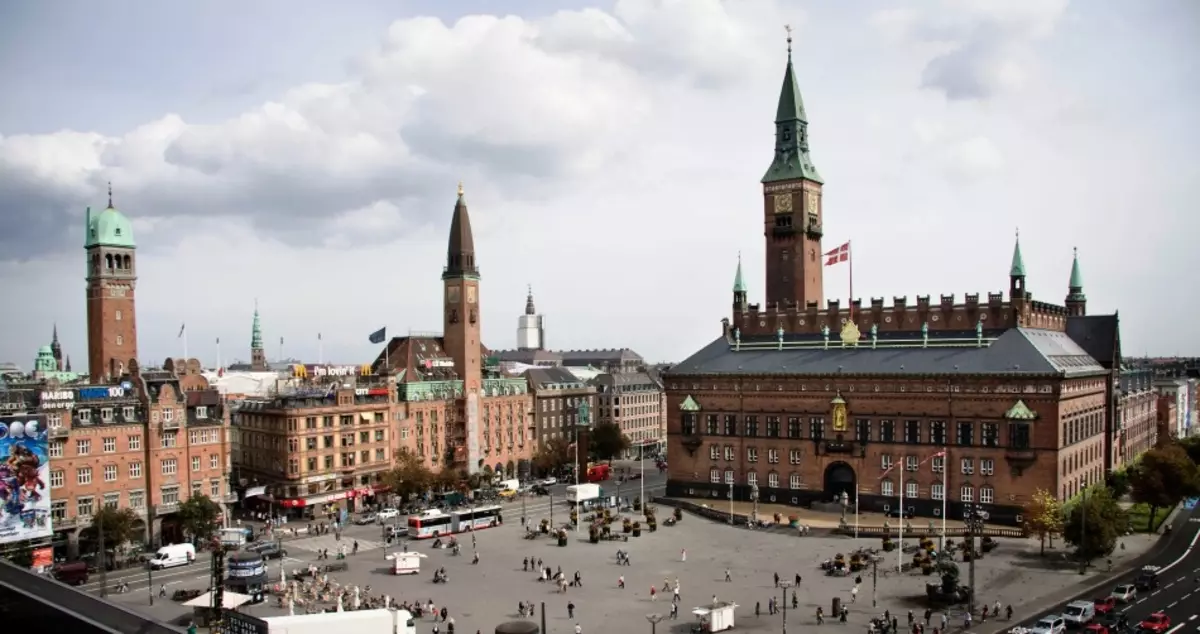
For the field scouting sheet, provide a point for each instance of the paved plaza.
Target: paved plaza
(481, 596)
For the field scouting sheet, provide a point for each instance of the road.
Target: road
(303, 550)
(1179, 581)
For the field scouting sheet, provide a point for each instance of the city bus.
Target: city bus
(598, 472)
(436, 523)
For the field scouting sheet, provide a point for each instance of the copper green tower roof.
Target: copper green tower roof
(792, 160)
(256, 342)
(739, 284)
(1018, 263)
(108, 228)
(1075, 286)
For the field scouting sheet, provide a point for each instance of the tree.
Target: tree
(608, 441)
(410, 476)
(199, 516)
(1118, 483)
(552, 455)
(1162, 478)
(1095, 524)
(1044, 517)
(1191, 445)
(118, 525)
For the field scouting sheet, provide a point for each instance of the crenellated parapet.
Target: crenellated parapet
(902, 316)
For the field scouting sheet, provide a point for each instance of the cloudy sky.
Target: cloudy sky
(305, 154)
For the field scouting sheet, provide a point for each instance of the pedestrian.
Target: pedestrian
(653, 593)
(683, 555)
(757, 609)
(728, 577)
(621, 582)
(777, 580)
(928, 615)
(571, 610)
(854, 594)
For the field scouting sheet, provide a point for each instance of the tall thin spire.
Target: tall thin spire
(1076, 283)
(529, 308)
(110, 205)
(460, 252)
(739, 283)
(792, 160)
(256, 340)
(1018, 263)
(54, 337)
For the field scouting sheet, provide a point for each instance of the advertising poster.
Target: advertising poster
(24, 479)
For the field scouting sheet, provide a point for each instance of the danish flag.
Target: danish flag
(840, 254)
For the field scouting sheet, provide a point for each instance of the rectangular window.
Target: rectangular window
(936, 491)
(752, 426)
(752, 478)
(169, 439)
(214, 489)
(135, 443)
(112, 500)
(793, 430)
(137, 499)
(170, 495)
(170, 466)
(816, 428)
(990, 434)
(938, 464)
(987, 466)
(135, 470)
(730, 424)
(106, 412)
(773, 456)
(85, 506)
(56, 479)
(56, 449)
(773, 480)
(968, 466)
(751, 454)
(966, 433)
(711, 424)
(714, 476)
(83, 446)
(110, 472)
(109, 444)
(214, 461)
(1018, 435)
(83, 475)
(195, 463)
(772, 427)
(910, 463)
(886, 488)
(987, 495)
(794, 481)
(862, 429)
(729, 454)
(312, 464)
(714, 452)
(729, 476)
(688, 424)
(937, 432)
(58, 510)
(966, 494)
(911, 490)
(912, 432)
(885, 462)
(887, 431)
(794, 456)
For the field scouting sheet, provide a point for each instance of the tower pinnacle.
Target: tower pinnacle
(1076, 301)
(460, 252)
(792, 160)
(1018, 263)
(739, 283)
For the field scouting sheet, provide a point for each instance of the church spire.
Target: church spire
(792, 160)
(460, 252)
(529, 308)
(1076, 301)
(256, 340)
(1018, 263)
(739, 283)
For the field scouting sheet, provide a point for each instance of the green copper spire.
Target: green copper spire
(1018, 263)
(739, 284)
(792, 160)
(256, 342)
(1076, 277)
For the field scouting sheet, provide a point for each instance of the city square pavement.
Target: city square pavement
(481, 596)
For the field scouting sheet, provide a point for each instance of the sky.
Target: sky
(305, 155)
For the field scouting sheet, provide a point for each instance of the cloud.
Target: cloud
(977, 48)
(521, 104)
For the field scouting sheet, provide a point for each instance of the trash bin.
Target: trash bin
(837, 607)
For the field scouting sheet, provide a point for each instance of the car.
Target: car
(366, 518)
(1147, 579)
(538, 489)
(1105, 605)
(387, 514)
(1079, 613)
(1096, 628)
(1157, 623)
(548, 482)
(396, 532)
(1124, 593)
(268, 550)
(1050, 625)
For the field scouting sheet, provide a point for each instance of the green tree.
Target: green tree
(410, 476)
(552, 455)
(607, 441)
(1191, 445)
(1118, 482)
(1044, 517)
(1095, 524)
(120, 525)
(199, 516)
(1162, 478)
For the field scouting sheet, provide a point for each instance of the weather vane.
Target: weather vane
(788, 28)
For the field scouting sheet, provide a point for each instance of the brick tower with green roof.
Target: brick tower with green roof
(258, 354)
(111, 283)
(1076, 301)
(792, 205)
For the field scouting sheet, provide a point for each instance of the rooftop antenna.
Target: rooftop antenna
(110, 205)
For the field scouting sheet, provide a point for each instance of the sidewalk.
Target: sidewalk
(817, 519)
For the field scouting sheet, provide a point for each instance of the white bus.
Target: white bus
(435, 523)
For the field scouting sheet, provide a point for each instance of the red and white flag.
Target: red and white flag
(940, 454)
(840, 254)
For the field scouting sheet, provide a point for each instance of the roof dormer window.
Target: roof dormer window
(117, 231)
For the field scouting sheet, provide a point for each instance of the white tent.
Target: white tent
(229, 601)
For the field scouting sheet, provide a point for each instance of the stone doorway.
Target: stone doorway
(840, 478)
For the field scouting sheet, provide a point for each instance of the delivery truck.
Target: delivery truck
(580, 493)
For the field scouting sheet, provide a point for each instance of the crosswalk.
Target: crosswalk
(331, 543)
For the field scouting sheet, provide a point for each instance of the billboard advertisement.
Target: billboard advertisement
(24, 479)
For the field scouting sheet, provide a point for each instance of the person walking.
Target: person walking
(571, 610)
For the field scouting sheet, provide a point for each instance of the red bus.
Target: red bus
(599, 473)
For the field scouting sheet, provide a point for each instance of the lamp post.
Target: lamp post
(731, 504)
(784, 585)
(279, 547)
(754, 499)
(654, 619)
(583, 414)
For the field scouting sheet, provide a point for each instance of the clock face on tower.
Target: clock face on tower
(812, 202)
(470, 294)
(452, 294)
(783, 203)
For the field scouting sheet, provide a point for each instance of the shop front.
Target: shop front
(335, 505)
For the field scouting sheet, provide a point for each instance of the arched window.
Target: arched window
(714, 475)
(752, 478)
(794, 481)
(108, 260)
(128, 263)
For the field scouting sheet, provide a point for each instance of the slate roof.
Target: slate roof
(408, 354)
(627, 379)
(608, 355)
(542, 377)
(1099, 335)
(1018, 351)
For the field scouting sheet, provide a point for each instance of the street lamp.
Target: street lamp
(583, 414)
(754, 498)
(654, 619)
(783, 586)
(731, 504)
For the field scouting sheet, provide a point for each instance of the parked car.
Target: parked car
(1079, 613)
(1050, 625)
(1105, 605)
(1096, 628)
(387, 514)
(548, 482)
(538, 489)
(1124, 593)
(366, 518)
(1157, 623)
(268, 550)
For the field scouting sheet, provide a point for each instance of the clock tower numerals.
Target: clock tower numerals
(783, 203)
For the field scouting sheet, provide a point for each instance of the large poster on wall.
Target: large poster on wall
(24, 479)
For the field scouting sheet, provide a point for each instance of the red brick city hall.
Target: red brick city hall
(980, 401)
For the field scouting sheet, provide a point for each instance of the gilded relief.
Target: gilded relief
(839, 413)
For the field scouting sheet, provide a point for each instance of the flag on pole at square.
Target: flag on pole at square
(378, 336)
(840, 254)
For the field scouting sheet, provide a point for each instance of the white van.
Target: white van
(1079, 613)
(173, 555)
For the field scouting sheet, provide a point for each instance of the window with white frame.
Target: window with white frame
(85, 506)
(83, 475)
(168, 414)
(886, 489)
(137, 499)
(911, 490)
(110, 472)
(195, 463)
(56, 449)
(170, 466)
(714, 453)
(214, 461)
(135, 443)
(968, 466)
(794, 481)
(109, 444)
(936, 491)
(773, 480)
(910, 463)
(106, 412)
(202, 412)
(128, 413)
(751, 454)
(729, 453)
(729, 476)
(987, 495)
(214, 489)
(966, 493)
(714, 475)
(938, 464)
(794, 456)
(112, 500)
(83, 446)
(752, 478)
(987, 466)
(57, 479)
(170, 495)
(885, 462)
(135, 469)
(773, 456)
(197, 488)
(169, 439)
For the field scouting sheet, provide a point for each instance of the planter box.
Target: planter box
(637, 532)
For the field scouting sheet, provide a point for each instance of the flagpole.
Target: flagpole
(855, 510)
(850, 263)
(900, 541)
(320, 350)
(185, 349)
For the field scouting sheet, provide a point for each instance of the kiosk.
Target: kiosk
(716, 617)
(406, 563)
(246, 573)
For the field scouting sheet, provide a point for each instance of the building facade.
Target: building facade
(925, 407)
(632, 401)
(1175, 389)
(111, 286)
(1137, 416)
(558, 396)
(461, 411)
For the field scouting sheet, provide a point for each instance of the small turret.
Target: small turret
(258, 354)
(1076, 301)
(56, 348)
(1016, 273)
(740, 303)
